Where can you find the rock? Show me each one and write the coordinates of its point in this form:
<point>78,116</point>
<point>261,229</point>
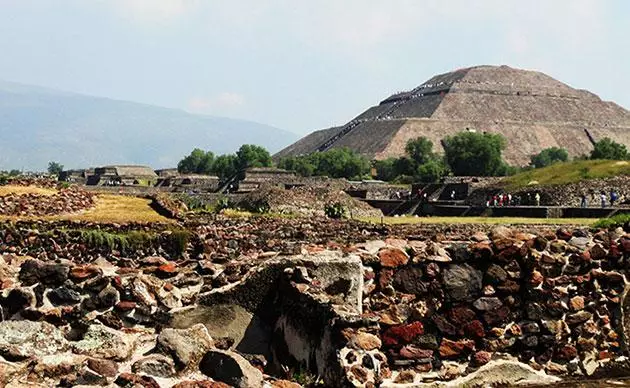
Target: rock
<point>487,303</point>
<point>131,380</point>
<point>17,300</point>
<point>224,320</point>
<point>105,368</point>
<point>155,365</point>
<point>500,232</point>
<point>108,297</point>
<point>443,325</point>
<point>405,377</point>
<point>481,358</point>
<point>103,342</point>
<point>474,329</point>
<point>167,270</point>
<point>83,272</point>
<point>402,334</point>
<point>536,279</point>
<point>56,366</point>
<point>493,317</point>
<point>409,280</point>
<point>64,296</point>
<point>49,274</point>
<point>201,384</point>
<point>186,346</point>
<point>392,257</point>
<point>579,242</point>
<point>230,368</point>
<point>534,311</point>
<point>366,341</point>
<point>566,353</point>
<point>579,317</point>
<point>414,353</point>
<point>427,341</point>
<point>461,315</point>
<point>479,236</point>
<point>502,373</point>
<point>285,384</point>
<point>23,339</point>
<point>461,282</point>
<point>495,275</point>
<point>576,303</point>
<point>9,372</point>
<point>455,349</point>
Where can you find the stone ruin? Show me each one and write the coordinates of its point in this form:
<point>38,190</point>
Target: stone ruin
<point>530,109</point>
<point>270,302</point>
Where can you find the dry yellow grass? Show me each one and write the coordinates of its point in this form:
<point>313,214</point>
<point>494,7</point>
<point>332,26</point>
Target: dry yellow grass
<point>20,190</point>
<point>483,220</point>
<point>110,208</point>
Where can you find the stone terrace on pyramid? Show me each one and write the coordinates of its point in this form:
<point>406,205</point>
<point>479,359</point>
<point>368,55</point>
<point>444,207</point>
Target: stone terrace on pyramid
<point>532,110</point>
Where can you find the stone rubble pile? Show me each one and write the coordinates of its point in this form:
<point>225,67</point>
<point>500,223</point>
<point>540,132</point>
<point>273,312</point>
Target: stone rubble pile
<point>306,201</point>
<point>66,201</point>
<point>45,183</point>
<point>388,305</point>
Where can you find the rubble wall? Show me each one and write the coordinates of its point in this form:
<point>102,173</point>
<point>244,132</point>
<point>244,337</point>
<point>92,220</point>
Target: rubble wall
<point>551,301</point>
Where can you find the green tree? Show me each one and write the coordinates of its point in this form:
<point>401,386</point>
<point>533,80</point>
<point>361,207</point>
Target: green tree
<point>15,172</point>
<point>342,163</point>
<point>225,166</point>
<point>475,154</point>
<point>250,155</point>
<point>420,150</point>
<point>198,162</point>
<point>549,156</point>
<point>55,168</point>
<point>608,149</point>
<point>302,165</point>
<point>431,171</point>
<point>386,169</point>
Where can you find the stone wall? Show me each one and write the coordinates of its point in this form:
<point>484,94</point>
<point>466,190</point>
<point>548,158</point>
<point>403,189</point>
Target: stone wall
<point>552,302</point>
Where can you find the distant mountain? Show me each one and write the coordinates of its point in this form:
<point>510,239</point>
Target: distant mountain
<point>38,125</point>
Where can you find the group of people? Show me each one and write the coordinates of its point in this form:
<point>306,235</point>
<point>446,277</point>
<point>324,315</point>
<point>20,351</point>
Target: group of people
<point>605,199</point>
<point>507,199</point>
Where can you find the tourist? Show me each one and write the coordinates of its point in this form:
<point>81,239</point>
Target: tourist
<point>453,195</point>
<point>537,198</point>
<point>613,197</point>
<point>603,199</point>
<point>584,201</point>
<point>509,196</point>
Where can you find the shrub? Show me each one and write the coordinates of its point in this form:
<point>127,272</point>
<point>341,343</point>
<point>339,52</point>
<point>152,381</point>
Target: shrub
<point>179,241</point>
<point>549,156</point>
<point>615,221</point>
<point>335,210</point>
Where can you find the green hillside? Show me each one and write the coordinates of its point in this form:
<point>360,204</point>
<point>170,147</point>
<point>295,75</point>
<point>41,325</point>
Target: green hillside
<point>570,172</point>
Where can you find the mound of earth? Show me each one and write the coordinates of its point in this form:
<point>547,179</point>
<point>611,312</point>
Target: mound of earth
<point>305,201</point>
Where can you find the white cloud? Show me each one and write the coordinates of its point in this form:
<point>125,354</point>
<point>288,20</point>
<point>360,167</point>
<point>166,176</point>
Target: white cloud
<point>216,104</point>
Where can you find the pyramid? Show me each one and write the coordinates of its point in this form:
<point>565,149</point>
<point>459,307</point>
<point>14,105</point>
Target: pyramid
<point>531,110</point>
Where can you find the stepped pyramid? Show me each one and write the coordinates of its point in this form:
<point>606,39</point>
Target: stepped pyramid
<point>530,109</point>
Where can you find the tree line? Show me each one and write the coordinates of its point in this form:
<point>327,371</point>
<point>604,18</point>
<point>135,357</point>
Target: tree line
<point>465,154</point>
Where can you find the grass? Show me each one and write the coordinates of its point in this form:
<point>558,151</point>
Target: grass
<point>570,172</point>
<point>481,220</point>
<point>20,190</point>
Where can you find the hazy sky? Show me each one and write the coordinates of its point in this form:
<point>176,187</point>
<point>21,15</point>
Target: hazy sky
<point>303,65</point>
